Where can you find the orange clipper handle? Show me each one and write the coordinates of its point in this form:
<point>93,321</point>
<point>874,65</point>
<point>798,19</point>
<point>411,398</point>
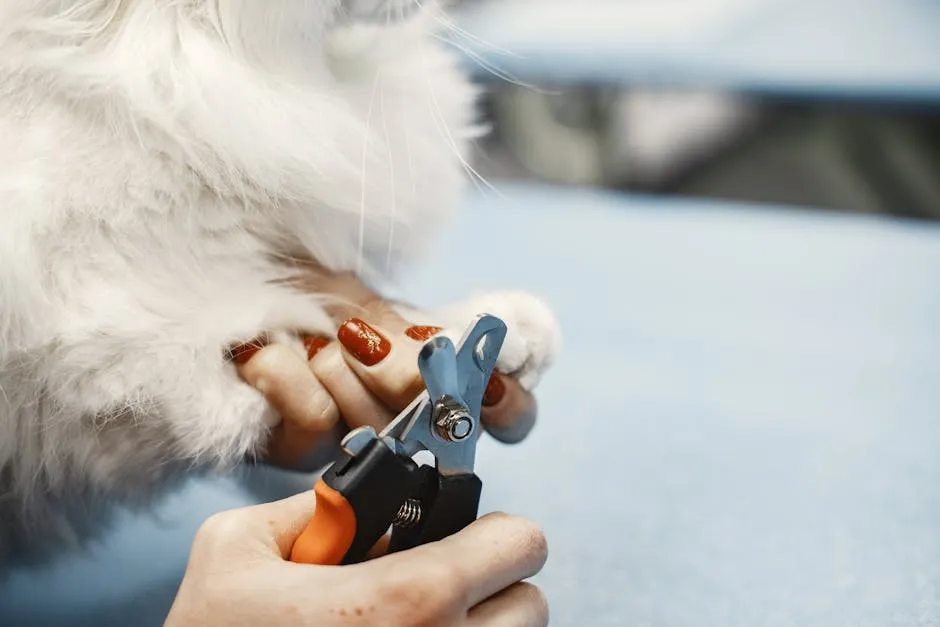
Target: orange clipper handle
<point>331,531</point>
<point>358,498</point>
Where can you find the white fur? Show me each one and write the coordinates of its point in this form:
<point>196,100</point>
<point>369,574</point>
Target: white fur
<point>532,343</point>
<point>162,162</point>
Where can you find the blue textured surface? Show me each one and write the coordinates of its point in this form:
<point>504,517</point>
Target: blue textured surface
<point>744,429</point>
<point>883,50</point>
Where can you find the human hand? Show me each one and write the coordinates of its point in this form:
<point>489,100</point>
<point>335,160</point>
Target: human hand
<point>238,576</point>
<point>365,377</point>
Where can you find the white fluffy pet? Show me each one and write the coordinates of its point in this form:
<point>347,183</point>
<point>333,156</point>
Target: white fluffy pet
<point>163,163</point>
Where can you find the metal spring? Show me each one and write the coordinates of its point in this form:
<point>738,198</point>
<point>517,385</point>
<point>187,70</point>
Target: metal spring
<point>408,515</point>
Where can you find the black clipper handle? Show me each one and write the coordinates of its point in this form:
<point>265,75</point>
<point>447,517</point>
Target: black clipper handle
<point>448,505</point>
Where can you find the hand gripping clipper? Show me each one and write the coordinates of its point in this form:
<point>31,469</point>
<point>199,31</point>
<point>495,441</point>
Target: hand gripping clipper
<point>376,484</point>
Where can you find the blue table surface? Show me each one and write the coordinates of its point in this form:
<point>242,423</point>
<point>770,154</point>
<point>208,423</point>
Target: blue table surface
<point>743,430</point>
<point>884,50</point>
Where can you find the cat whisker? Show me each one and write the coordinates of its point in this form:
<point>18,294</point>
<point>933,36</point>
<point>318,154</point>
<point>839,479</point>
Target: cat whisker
<point>450,25</point>
<point>365,158</point>
<point>391,172</point>
<point>488,66</point>
<point>461,33</point>
<point>442,127</point>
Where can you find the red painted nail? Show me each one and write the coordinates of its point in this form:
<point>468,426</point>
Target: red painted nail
<point>495,390</point>
<point>314,344</point>
<point>363,342</point>
<point>422,333</point>
<point>242,353</point>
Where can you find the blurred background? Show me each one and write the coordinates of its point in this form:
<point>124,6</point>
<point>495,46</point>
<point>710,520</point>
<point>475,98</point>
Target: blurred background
<point>831,105</point>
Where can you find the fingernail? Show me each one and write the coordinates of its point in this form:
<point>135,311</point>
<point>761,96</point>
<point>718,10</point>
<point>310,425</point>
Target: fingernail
<point>495,390</point>
<point>314,344</point>
<point>242,353</point>
<point>363,342</point>
<point>422,333</point>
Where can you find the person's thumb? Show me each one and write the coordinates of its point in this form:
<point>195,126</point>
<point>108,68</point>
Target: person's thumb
<point>282,522</point>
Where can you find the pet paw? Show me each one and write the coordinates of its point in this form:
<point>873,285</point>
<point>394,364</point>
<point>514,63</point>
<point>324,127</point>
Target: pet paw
<point>533,341</point>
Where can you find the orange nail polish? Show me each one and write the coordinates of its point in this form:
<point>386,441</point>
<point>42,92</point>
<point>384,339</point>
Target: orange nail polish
<point>242,353</point>
<point>422,333</point>
<point>363,342</point>
<point>314,344</point>
<point>495,390</point>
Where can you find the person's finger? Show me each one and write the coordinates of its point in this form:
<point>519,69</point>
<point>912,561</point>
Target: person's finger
<point>306,408</point>
<point>491,554</point>
<point>272,526</point>
<point>509,411</point>
<point>383,350</point>
<point>390,370</point>
<point>290,387</point>
<point>520,605</point>
<point>356,403</point>
<point>289,444</point>
<point>385,361</point>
